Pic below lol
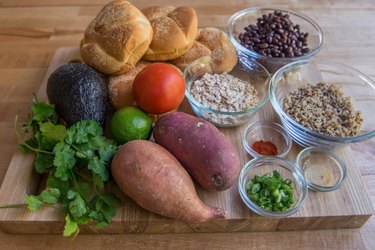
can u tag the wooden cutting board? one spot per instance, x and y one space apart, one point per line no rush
347 207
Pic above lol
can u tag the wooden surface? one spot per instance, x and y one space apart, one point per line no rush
347 207
31 30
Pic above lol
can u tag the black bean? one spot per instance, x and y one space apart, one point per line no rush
274 35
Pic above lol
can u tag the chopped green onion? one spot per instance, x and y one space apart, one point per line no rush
271 192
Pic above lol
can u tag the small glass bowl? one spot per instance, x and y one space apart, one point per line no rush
323 170
238 21
267 131
287 169
252 73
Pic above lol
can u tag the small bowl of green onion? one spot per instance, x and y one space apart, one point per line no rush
272 187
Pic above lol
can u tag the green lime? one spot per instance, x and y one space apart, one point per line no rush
130 123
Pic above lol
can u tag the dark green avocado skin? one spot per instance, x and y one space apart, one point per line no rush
79 93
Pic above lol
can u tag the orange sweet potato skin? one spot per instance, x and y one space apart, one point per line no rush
201 148
156 181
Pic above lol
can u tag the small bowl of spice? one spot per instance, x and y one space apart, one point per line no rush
274 37
266 138
272 187
226 99
323 169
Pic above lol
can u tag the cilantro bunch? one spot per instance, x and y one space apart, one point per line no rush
76 159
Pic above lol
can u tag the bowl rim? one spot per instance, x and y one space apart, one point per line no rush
207 59
288 119
253 54
287 165
342 165
270 124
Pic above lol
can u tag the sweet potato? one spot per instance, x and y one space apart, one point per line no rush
201 148
156 181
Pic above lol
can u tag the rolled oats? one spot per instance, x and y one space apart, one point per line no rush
226 93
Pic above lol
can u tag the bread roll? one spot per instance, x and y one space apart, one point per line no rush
120 87
198 50
116 39
211 42
174 31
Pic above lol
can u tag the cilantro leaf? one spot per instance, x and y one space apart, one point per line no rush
77 206
64 160
111 199
50 195
33 203
98 167
53 132
71 227
62 186
43 162
98 182
101 225
71 194
83 188
42 111
106 153
43 142
84 130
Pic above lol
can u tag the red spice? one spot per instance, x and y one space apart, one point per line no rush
264 147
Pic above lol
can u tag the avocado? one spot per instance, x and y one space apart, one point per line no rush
79 93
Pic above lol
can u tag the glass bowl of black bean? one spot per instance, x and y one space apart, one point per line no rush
226 99
274 37
324 103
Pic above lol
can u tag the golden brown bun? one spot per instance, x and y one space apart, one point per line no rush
116 39
120 87
211 42
174 31
198 50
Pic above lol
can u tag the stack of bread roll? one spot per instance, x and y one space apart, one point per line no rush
122 40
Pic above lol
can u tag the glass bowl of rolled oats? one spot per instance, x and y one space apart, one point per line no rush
324 103
226 99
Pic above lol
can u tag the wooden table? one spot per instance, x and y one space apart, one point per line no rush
31 30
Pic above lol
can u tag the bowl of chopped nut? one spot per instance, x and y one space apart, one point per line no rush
274 37
324 103
226 99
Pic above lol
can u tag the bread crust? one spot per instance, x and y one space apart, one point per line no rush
174 31
120 87
211 42
116 39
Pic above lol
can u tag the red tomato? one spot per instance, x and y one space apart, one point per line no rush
159 88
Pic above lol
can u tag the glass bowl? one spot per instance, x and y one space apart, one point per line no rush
267 164
354 84
252 73
238 21
323 169
267 131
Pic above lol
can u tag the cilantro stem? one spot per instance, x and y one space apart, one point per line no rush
36 149
23 205
24 143
14 206
83 175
